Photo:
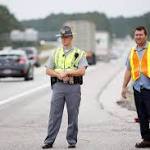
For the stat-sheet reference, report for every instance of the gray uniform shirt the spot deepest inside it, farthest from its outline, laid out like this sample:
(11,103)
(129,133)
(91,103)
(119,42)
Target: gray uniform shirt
(82,62)
(143,81)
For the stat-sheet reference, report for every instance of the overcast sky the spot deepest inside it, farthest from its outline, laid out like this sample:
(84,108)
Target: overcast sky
(32,9)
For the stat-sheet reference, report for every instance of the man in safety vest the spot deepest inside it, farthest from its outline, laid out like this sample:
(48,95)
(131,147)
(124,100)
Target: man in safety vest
(138,67)
(66,67)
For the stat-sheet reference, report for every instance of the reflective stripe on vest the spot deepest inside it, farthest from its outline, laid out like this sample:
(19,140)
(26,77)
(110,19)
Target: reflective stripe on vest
(140,66)
(67,62)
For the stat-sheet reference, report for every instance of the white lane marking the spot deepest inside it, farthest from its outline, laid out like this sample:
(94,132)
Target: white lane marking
(2,102)
(23,94)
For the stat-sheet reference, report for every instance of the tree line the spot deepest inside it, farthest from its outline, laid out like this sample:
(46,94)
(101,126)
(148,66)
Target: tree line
(122,26)
(119,26)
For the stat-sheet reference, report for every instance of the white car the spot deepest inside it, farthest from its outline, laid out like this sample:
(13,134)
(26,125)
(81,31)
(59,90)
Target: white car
(32,55)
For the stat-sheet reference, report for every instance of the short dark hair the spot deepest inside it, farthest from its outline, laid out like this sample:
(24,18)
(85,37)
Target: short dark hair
(139,28)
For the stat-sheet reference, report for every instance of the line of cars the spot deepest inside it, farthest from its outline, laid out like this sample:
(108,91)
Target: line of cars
(19,62)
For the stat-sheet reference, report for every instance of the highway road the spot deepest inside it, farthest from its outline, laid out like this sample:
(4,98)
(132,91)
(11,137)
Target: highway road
(24,111)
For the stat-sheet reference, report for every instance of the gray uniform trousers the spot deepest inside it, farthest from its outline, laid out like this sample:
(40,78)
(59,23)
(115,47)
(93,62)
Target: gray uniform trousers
(71,94)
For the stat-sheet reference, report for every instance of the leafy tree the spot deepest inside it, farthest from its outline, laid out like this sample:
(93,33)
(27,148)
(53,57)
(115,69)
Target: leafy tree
(7,23)
(7,20)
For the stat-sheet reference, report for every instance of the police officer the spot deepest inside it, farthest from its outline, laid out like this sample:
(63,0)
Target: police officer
(66,67)
(138,67)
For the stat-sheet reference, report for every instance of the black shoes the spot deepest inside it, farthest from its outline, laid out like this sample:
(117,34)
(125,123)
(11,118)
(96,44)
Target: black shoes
(71,146)
(142,144)
(46,146)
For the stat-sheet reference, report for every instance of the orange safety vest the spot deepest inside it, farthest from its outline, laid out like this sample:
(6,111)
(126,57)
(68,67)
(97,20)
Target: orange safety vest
(140,66)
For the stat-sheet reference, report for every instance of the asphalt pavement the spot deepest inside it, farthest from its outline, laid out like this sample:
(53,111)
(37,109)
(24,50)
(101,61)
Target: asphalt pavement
(24,118)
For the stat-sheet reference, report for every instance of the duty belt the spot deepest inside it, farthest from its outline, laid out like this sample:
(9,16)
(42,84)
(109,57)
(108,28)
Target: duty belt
(72,80)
